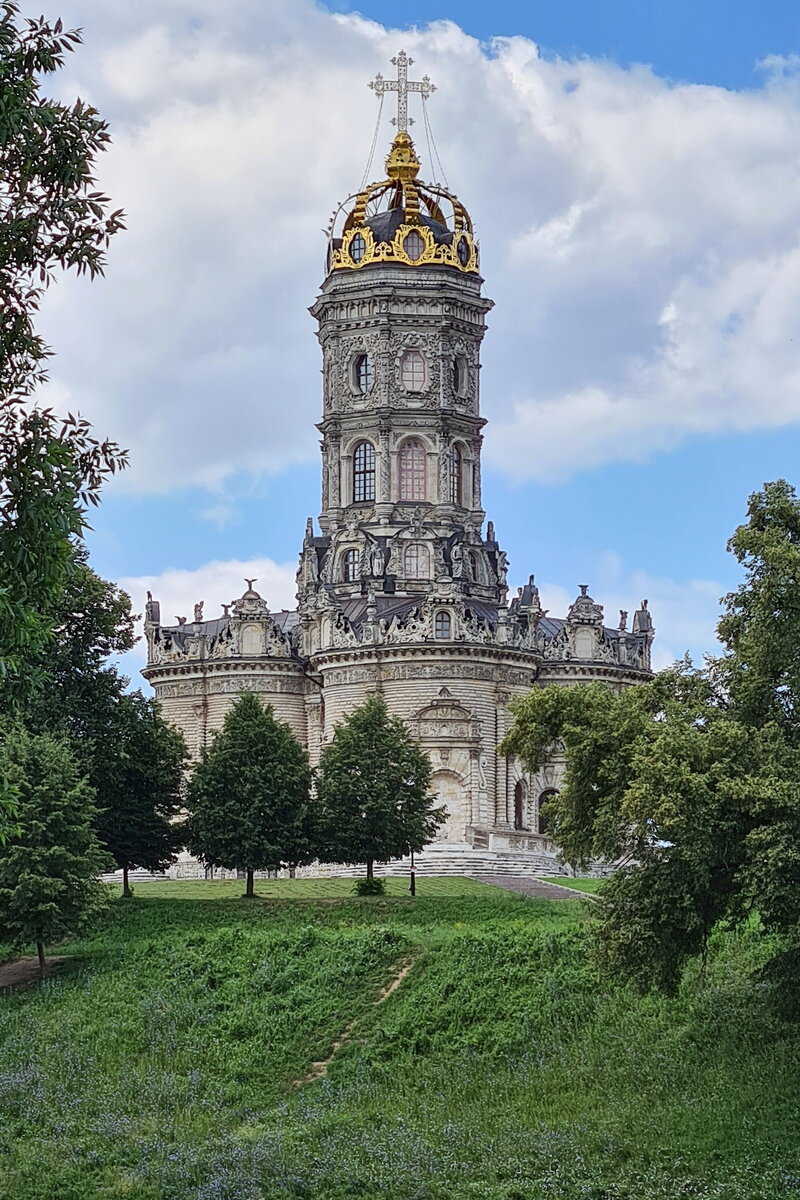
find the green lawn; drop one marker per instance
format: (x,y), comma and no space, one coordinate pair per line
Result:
(163,1065)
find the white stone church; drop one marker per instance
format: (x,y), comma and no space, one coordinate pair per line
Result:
(403,590)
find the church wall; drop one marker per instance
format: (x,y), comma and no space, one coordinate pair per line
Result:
(480,683)
(196,703)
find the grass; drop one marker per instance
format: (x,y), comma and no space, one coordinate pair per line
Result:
(163,1066)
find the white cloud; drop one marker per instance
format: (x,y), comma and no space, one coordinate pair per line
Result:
(215,583)
(640,238)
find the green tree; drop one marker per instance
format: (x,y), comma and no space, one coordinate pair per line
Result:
(51,217)
(248,796)
(692,780)
(137,776)
(372,790)
(49,867)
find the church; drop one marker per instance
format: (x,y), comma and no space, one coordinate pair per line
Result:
(402,587)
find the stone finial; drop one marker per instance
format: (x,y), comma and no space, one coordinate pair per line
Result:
(490,531)
(584,589)
(225,609)
(181,620)
(198,611)
(623,620)
(309,529)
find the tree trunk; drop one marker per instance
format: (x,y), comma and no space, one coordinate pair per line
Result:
(369,868)
(126,891)
(42,960)
(249,893)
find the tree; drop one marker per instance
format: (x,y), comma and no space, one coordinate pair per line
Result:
(137,775)
(248,796)
(372,790)
(692,779)
(51,217)
(49,867)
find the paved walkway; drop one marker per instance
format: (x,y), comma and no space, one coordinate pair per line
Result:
(532,887)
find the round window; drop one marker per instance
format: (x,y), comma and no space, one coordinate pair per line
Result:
(463,251)
(412,371)
(358,248)
(413,245)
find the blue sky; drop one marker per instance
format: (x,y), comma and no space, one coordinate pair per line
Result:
(635,399)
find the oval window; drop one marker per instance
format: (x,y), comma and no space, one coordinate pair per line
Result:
(358,248)
(413,245)
(459,375)
(412,371)
(463,251)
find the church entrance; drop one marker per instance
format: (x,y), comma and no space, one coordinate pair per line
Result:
(449,792)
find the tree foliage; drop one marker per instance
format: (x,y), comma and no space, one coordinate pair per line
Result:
(137,775)
(691,780)
(51,218)
(48,867)
(249,794)
(372,790)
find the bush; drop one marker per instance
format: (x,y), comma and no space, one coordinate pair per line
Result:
(370,887)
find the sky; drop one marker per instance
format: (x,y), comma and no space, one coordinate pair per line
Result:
(633,172)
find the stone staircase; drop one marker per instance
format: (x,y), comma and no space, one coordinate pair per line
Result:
(450,861)
(436,861)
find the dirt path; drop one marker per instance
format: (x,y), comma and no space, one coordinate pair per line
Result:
(319,1069)
(21,971)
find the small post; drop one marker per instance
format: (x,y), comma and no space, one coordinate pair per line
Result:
(412,887)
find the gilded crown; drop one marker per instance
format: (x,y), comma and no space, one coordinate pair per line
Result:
(402,220)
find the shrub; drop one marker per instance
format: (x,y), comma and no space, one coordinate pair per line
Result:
(370,887)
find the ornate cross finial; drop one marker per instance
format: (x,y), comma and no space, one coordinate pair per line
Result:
(402,85)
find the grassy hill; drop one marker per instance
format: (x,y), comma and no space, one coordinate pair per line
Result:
(174,1059)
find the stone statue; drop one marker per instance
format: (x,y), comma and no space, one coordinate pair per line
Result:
(623,620)
(457,561)
(198,611)
(502,569)
(377,561)
(490,531)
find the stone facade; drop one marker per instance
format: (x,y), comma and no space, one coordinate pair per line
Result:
(404,589)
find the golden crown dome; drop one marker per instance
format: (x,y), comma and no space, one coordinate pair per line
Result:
(402,220)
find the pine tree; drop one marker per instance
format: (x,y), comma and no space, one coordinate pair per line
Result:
(249,794)
(138,779)
(49,867)
(372,790)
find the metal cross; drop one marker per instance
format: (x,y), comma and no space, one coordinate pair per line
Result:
(402,85)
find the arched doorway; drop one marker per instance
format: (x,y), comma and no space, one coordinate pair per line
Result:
(543,819)
(519,805)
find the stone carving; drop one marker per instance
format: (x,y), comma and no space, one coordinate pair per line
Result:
(198,611)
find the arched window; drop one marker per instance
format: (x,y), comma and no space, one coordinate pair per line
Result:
(544,821)
(519,805)
(442,625)
(412,371)
(362,373)
(364,472)
(412,470)
(351,562)
(455,473)
(416,563)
